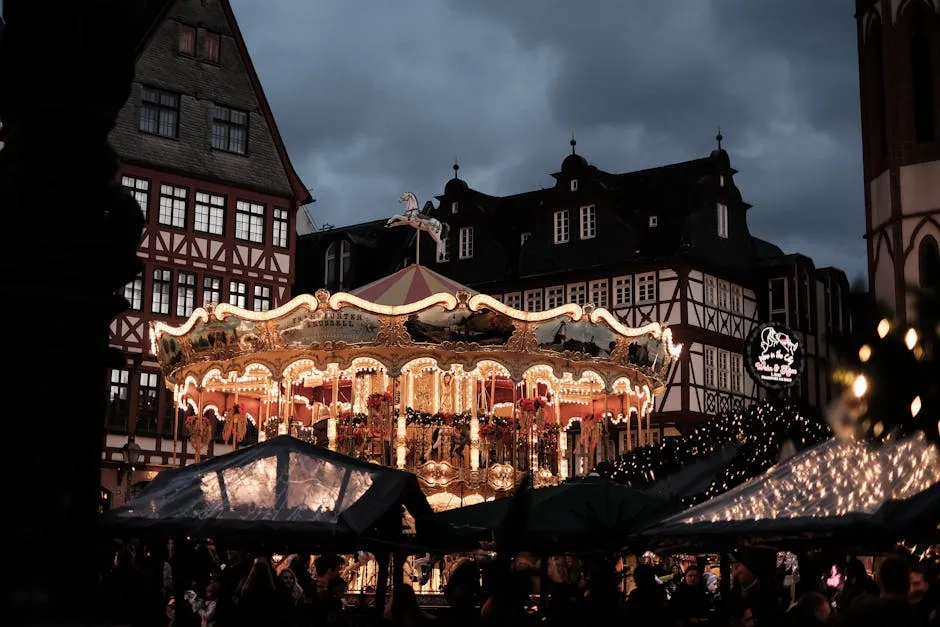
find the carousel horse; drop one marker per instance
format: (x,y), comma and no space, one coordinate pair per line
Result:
(416,219)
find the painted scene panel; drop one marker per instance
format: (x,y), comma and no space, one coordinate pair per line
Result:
(485,327)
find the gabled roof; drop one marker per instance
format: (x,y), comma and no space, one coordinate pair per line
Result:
(147,18)
(283,486)
(408,285)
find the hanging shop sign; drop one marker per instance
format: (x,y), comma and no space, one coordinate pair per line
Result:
(773,356)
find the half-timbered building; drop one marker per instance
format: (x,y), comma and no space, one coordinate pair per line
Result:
(200,151)
(669,244)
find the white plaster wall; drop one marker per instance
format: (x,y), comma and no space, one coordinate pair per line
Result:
(880,200)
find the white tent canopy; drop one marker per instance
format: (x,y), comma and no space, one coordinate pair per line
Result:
(838,482)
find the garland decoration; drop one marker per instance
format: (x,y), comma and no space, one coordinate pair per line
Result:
(199,432)
(759,431)
(236,428)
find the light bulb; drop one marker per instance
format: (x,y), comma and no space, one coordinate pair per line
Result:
(910,339)
(864,353)
(884,327)
(860,386)
(915,406)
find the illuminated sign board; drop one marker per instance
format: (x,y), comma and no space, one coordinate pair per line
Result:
(773,356)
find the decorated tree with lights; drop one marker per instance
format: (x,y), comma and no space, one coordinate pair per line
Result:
(893,375)
(760,432)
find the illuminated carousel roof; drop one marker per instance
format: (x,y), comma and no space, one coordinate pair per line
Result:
(418,314)
(408,285)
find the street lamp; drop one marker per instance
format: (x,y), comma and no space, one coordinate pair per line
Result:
(131,453)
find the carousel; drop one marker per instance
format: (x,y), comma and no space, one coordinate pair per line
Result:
(417,372)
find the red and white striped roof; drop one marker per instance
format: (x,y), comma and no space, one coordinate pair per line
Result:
(408,285)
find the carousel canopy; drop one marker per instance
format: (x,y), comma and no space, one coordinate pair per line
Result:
(284,486)
(839,485)
(409,285)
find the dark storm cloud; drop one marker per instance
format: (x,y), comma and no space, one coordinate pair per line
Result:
(374,98)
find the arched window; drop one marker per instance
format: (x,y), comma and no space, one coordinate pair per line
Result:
(929,263)
(875,89)
(329,265)
(337,262)
(920,19)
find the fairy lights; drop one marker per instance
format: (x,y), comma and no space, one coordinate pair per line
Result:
(760,431)
(836,478)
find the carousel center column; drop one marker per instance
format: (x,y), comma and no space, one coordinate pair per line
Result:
(399,433)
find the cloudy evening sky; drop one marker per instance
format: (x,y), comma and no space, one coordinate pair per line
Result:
(375,97)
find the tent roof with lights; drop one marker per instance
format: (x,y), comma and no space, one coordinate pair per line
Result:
(284,486)
(837,485)
(409,285)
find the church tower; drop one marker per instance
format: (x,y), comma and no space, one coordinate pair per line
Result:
(899,71)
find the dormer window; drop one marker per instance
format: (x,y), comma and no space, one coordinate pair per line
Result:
(561,227)
(654,222)
(574,185)
(721,180)
(454,206)
(525,238)
(588,222)
(722,220)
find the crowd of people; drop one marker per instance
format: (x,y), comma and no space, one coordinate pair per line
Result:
(200,586)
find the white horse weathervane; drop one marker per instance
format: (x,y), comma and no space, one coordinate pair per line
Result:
(420,221)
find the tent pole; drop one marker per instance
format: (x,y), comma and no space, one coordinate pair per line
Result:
(381,584)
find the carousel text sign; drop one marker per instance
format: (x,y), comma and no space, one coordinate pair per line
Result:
(347,325)
(773,357)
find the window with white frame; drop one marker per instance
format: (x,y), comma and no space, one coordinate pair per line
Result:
(708,362)
(116,415)
(212,290)
(737,373)
(737,299)
(574,185)
(262,301)
(524,238)
(185,294)
(554,297)
(465,251)
(281,227)
(623,291)
(562,231)
(710,298)
(443,251)
(646,288)
(599,293)
(533,300)
(722,220)
(588,222)
(654,222)
(147,391)
(134,293)
(454,207)
(139,189)
(172,206)
(337,261)
(162,286)
(249,221)
(723,369)
(209,213)
(514,300)
(724,291)
(577,293)
(238,294)
(777,300)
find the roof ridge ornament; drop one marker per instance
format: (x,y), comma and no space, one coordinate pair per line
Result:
(420,221)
